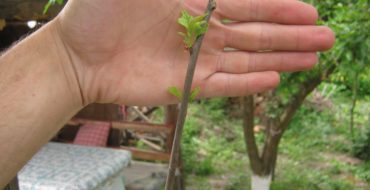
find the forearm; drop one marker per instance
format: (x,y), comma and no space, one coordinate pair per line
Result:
(38,94)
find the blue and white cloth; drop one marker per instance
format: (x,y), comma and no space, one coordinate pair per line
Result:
(60,166)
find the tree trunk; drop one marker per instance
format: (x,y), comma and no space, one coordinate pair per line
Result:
(262,166)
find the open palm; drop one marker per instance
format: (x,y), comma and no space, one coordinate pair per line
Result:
(129,52)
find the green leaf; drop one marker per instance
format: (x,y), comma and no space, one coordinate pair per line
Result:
(194,94)
(195,27)
(175,92)
(185,19)
(50,3)
(199,18)
(182,34)
(46,7)
(201,28)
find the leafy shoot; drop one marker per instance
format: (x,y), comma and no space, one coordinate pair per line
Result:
(195,27)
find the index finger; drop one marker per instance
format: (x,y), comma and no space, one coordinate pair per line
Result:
(282,11)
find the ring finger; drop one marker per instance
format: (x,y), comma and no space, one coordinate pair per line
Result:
(239,62)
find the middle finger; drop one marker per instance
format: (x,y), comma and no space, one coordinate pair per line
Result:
(276,37)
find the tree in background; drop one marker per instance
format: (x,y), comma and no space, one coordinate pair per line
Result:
(347,63)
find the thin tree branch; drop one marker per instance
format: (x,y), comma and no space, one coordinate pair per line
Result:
(305,89)
(249,138)
(270,149)
(194,53)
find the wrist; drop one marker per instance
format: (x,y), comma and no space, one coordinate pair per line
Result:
(66,69)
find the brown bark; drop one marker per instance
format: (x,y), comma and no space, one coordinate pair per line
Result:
(270,149)
(249,138)
(171,113)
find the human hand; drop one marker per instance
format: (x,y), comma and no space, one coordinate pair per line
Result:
(129,52)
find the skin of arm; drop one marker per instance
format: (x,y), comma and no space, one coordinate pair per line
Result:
(129,52)
(37,97)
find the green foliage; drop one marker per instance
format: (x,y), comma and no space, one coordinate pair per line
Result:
(215,108)
(205,167)
(175,92)
(141,145)
(198,182)
(193,163)
(314,180)
(195,27)
(194,93)
(238,182)
(50,3)
(178,93)
(363,171)
(361,147)
(350,21)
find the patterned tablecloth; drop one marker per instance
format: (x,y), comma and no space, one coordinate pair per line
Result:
(60,166)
